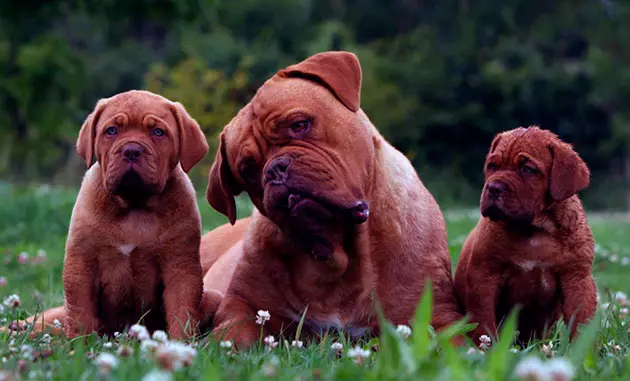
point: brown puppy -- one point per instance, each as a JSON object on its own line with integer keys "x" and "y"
{"x": 341, "y": 218}
{"x": 533, "y": 246}
{"x": 133, "y": 246}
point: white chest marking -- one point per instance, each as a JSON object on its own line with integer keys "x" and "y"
{"x": 126, "y": 249}
{"x": 528, "y": 265}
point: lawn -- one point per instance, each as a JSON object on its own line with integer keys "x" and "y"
{"x": 33, "y": 225}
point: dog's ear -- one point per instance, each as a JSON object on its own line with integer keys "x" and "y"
{"x": 87, "y": 135}
{"x": 569, "y": 173}
{"x": 495, "y": 143}
{"x": 340, "y": 72}
{"x": 222, "y": 186}
{"x": 193, "y": 145}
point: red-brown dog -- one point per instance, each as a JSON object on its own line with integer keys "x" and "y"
{"x": 533, "y": 246}
{"x": 133, "y": 246}
{"x": 341, "y": 217}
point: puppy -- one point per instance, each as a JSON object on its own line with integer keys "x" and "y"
{"x": 132, "y": 251}
{"x": 341, "y": 218}
{"x": 533, "y": 246}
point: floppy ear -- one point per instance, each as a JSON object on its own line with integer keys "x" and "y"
{"x": 87, "y": 134}
{"x": 495, "y": 142}
{"x": 340, "y": 72}
{"x": 193, "y": 145}
{"x": 569, "y": 173}
{"x": 222, "y": 186}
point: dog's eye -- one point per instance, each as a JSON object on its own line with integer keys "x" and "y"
{"x": 111, "y": 130}
{"x": 529, "y": 169}
{"x": 301, "y": 126}
{"x": 158, "y": 132}
{"x": 491, "y": 167}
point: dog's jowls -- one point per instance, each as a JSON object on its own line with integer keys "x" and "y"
{"x": 533, "y": 246}
{"x": 133, "y": 245}
{"x": 341, "y": 218}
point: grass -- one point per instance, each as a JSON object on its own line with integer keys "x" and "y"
{"x": 34, "y": 219}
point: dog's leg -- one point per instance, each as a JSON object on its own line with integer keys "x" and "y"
{"x": 579, "y": 296}
{"x": 482, "y": 286}
{"x": 234, "y": 321}
{"x": 183, "y": 288}
{"x": 81, "y": 303}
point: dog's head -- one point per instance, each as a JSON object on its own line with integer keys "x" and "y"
{"x": 301, "y": 149}
{"x": 528, "y": 170}
{"x": 138, "y": 138}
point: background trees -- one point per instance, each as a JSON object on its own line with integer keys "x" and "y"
{"x": 440, "y": 77}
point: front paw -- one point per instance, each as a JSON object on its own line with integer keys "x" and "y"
{"x": 80, "y": 327}
{"x": 241, "y": 333}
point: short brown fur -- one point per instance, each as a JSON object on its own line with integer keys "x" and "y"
{"x": 533, "y": 246}
{"x": 312, "y": 163}
{"x": 133, "y": 246}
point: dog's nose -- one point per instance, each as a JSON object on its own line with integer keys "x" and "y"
{"x": 132, "y": 151}
{"x": 276, "y": 171}
{"x": 496, "y": 188}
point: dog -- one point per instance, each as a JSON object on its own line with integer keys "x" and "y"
{"x": 132, "y": 250}
{"x": 341, "y": 219}
{"x": 533, "y": 246}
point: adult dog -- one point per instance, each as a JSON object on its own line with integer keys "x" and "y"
{"x": 532, "y": 246}
{"x": 133, "y": 246}
{"x": 341, "y": 217}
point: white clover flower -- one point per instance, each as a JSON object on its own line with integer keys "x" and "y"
{"x": 358, "y": 354}
{"x": 108, "y": 345}
{"x": 473, "y": 351}
{"x": 297, "y": 344}
{"x": 105, "y": 362}
{"x": 547, "y": 349}
{"x": 125, "y": 350}
{"x": 139, "y": 332}
{"x": 560, "y": 369}
{"x": 270, "y": 367}
{"x": 270, "y": 342}
{"x": 149, "y": 345}
{"x": 57, "y": 324}
{"x": 624, "y": 311}
{"x": 621, "y": 298}
{"x": 26, "y": 351}
{"x": 12, "y": 301}
{"x": 227, "y": 344}
{"x": 625, "y": 261}
{"x": 117, "y": 334}
{"x": 262, "y": 317}
{"x": 336, "y": 346}
{"x": 46, "y": 339}
{"x": 174, "y": 355}
{"x": 614, "y": 258}
{"x": 514, "y": 350}
{"x": 160, "y": 336}
{"x": 23, "y": 258}
{"x": 3, "y": 281}
{"x": 484, "y": 342}
{"x": 531, "y": 368}
{"x": 404, "y": 331}
{"x": 157, "y": 375}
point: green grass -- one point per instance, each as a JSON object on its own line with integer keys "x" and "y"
{"x": 33, "y": 219}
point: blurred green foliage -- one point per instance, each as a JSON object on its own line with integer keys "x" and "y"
{"x": 440, "y": 78}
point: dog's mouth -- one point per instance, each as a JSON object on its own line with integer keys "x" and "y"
{"x": 494, "y": 213}
{"x": 132, "y": 188}
{"x": 297, "y": 202}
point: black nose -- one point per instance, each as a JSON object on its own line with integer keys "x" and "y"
{"x": 132, "y": 151}
{"x": 276, "y": 171}
{"x": 496, "y": 188}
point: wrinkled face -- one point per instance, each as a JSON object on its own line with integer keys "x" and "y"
{"x": 137, "y": 146}
{"x": 526, "y": 171}
{"x": 304, "y": 159}
{"x": 517, "y": 176}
